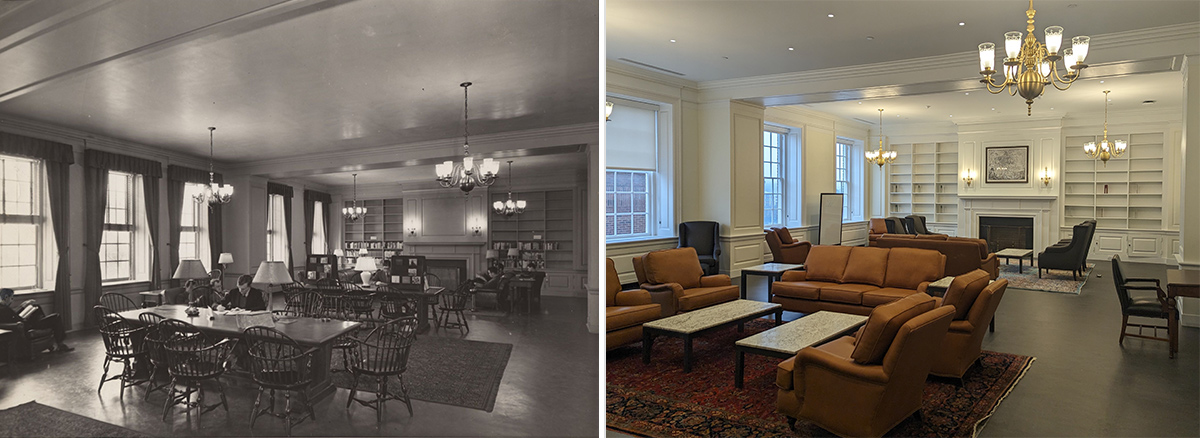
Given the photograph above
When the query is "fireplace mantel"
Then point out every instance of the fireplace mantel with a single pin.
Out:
(1041, 208)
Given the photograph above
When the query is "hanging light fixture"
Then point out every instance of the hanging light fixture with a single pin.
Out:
(608, 107)
(467, 175)
(880, 156)
(1030, 65)
(509, 208)
(1105, 149)
(213, 193)
(354, 211)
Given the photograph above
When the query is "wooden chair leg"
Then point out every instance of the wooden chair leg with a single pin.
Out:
(1124, 323)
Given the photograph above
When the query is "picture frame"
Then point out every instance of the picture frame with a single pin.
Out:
(1006, 164)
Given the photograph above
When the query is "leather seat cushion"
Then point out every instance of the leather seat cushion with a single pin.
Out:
(809, 290)
(700, 297)
(619, 317)
(679, 265)
(881, 296)
(866, 265)
(876, 336)
(964, 290)
(840, 347)
(849, 293)
(1146, 307)
(827, 263)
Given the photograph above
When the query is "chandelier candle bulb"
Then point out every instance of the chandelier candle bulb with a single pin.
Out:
(1012, 44)
(1079, 45)
(987, 57)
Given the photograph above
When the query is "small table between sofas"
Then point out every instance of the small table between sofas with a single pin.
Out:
(786, 340)
(688, 325)
(1180, 283)
(773, 272)
(1019, 254)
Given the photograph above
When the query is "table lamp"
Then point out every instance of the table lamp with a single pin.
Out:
(367, 266)
(271, 273)
(224, 260)
(190, 269)
(492, 254)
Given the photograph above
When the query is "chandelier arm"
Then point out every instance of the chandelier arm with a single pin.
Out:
(999, 88)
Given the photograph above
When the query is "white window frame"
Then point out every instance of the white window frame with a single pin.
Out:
(22, 251)
(195, 224)
(613, 193)
(662, 207)
(852, 208)
(277, 238)
(111, 226)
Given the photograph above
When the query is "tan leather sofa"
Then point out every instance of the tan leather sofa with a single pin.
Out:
(864, 385)
(625, 311)
(963, 254)
(785, 249)
(676, 281)
(975, 302)
(856, 279)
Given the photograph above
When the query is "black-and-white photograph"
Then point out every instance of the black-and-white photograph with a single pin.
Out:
(1007, 164)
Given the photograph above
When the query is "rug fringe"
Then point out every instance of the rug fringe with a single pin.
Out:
(978, 427)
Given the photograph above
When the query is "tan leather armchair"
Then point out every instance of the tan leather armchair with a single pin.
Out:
(864, 385)
(784, 249)
(975, 302)
(625, 311)
(676, 281)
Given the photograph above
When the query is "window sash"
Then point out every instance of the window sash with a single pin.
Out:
(774, 145)
(117, 244)
(842, 177)
(20, 223)
(628, 195)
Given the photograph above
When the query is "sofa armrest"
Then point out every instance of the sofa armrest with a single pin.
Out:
(810, 360)
(991, 264)
(923, 286)
(1056, 249)
(715, 280)
(635, 297)
(15, 327)
(666, 295)
(794, 276)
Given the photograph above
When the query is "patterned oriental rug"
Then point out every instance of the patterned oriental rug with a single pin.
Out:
(1053, 280)
(34, 419)
(660, 400)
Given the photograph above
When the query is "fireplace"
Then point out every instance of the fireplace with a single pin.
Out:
(1006, 232)
(450, 273)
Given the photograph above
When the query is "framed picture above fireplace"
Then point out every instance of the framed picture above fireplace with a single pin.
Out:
(1007, 164)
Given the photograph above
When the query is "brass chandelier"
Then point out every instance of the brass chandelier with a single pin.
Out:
(213, 193)
(1030, 65)
(467, 174)
(881, 157)
(1105, 149)
(354, 211)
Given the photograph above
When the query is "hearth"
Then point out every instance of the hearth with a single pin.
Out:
(1006, 232)
(450, 273)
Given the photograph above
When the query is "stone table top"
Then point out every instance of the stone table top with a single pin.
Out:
(810, 330)
(773, 267)
(710, 317)
(1014, 252)
(943, 283)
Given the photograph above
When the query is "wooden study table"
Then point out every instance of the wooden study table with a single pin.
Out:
(427, 298)
(308, 332)
(1180, 283)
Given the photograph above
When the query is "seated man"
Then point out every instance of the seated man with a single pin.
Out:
(244, 296)
(179, 295)
(35, 319)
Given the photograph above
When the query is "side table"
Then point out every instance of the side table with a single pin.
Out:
(773, 272)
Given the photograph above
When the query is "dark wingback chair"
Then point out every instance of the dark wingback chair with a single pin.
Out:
(916, 224)
(1071, 256)
(705, 237)
(1146, 306)
(896, 225)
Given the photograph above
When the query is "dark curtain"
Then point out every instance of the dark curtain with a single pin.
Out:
(215, 230)
(285, 191)
(310, 208)
(175, 189)
(122, 163)
(57, 158)
(151, 191)
(311, 198)
(177, 178)
(95, 196)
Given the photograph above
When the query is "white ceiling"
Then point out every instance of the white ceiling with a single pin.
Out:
(289, 78)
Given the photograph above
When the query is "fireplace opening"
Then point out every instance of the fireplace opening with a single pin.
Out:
(1006, 232)
(450, 273)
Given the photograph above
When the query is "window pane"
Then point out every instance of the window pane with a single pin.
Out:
(609, 178)
(624, 182)
(639, 203)
(639, 223)
(610, 203)
(639, 182)
(624, 201)
(609, 228)
(624, 224)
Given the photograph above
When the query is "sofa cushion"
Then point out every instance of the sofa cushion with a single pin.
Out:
(808, 290)
(866, 265)
(881, 296)
(701, 297)
(963, 290)
(849, 293)
(932, 236)
(876, 336)
(827, 263)
(840, 347)
(619, 317)
(908, 267)
(680, 265)
(785, 236)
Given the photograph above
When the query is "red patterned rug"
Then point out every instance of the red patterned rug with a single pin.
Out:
(660, 400)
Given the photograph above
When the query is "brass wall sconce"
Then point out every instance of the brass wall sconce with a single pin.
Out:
(968, 177)
(1045, 177)
(476, 229)
(412, 231)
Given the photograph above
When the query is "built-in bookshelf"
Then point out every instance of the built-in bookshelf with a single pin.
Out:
(1124, 193)
(544, 233)
(924, 181)
(380, 229)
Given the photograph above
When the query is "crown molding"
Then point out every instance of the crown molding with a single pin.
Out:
(612, 66)
(82, 139)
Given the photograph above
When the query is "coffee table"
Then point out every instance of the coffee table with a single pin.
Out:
(688, 325)
(1019, 254)
(786, 340)
(773, 272)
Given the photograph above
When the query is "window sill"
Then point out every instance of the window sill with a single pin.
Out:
(32, 292)
(123, 283)
(641, 240)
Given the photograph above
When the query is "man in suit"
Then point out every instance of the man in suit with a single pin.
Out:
(244, 296)
(36, 320)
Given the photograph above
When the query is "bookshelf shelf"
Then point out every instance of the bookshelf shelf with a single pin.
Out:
(1125, 193)
(929, 169)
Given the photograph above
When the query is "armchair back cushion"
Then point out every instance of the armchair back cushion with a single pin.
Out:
(907, 268)
(867, 265)
(827, 263)
(701, 235)
(877, 335)
(964, 290)
(680, 265)
(878, 226)
(785, 236)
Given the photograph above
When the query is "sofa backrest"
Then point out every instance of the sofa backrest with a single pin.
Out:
(962, 256)
(867, 265)
(873, 341)
(908, 267)
(827, 262)
(680, 265)
(612, 283)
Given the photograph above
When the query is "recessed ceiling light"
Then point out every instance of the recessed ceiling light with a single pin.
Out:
(791, 48)
(1101, 82)
(952, 115)
(897, 115)
(993, 109)
(870, 38)
(672, 40)
(968, 93)
(962, 23)
(860, 102)
(1072, 5)
(830, 15)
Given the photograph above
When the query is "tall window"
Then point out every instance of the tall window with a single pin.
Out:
(627, 203)
(773, 177)
(193, 230)
(20, 222)
(277, 239)
(842, 176)
(116, 246)
(319, 242)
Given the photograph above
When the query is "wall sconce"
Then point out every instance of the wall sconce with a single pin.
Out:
(412, 231)
(968, 176)
(1046, 177)
(476, 229)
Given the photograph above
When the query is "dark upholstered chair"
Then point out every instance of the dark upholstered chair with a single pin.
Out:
(916, 224)
(1073, 255)
(784, 249)
(705, 237)
(896, 225)
(1143, 305)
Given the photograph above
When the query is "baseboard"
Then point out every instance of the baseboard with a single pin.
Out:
(1190, 320)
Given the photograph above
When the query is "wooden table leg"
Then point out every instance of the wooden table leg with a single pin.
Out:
(778, 317)
(1172, 328)
(647, 345)
(739, 369)
(687, 354)
(743, 291)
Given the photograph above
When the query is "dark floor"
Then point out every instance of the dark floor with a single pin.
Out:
(549, 388)
(1083, 383)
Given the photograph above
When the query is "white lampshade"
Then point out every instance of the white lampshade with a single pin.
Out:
(1044, 69)
(270, 272)
(1053, 38)
(468, 162)
(987, 56)
(1079, 45)
(513, 252)
(491, 254)
(1069, 57)
(225, 258)
(365, 264)
(498, 205)
(608, 108)
(509, 204)
(520, 204)
(1119, 146)
(338, 252)
(190, 269)
(445, 169)
(1012, 44)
